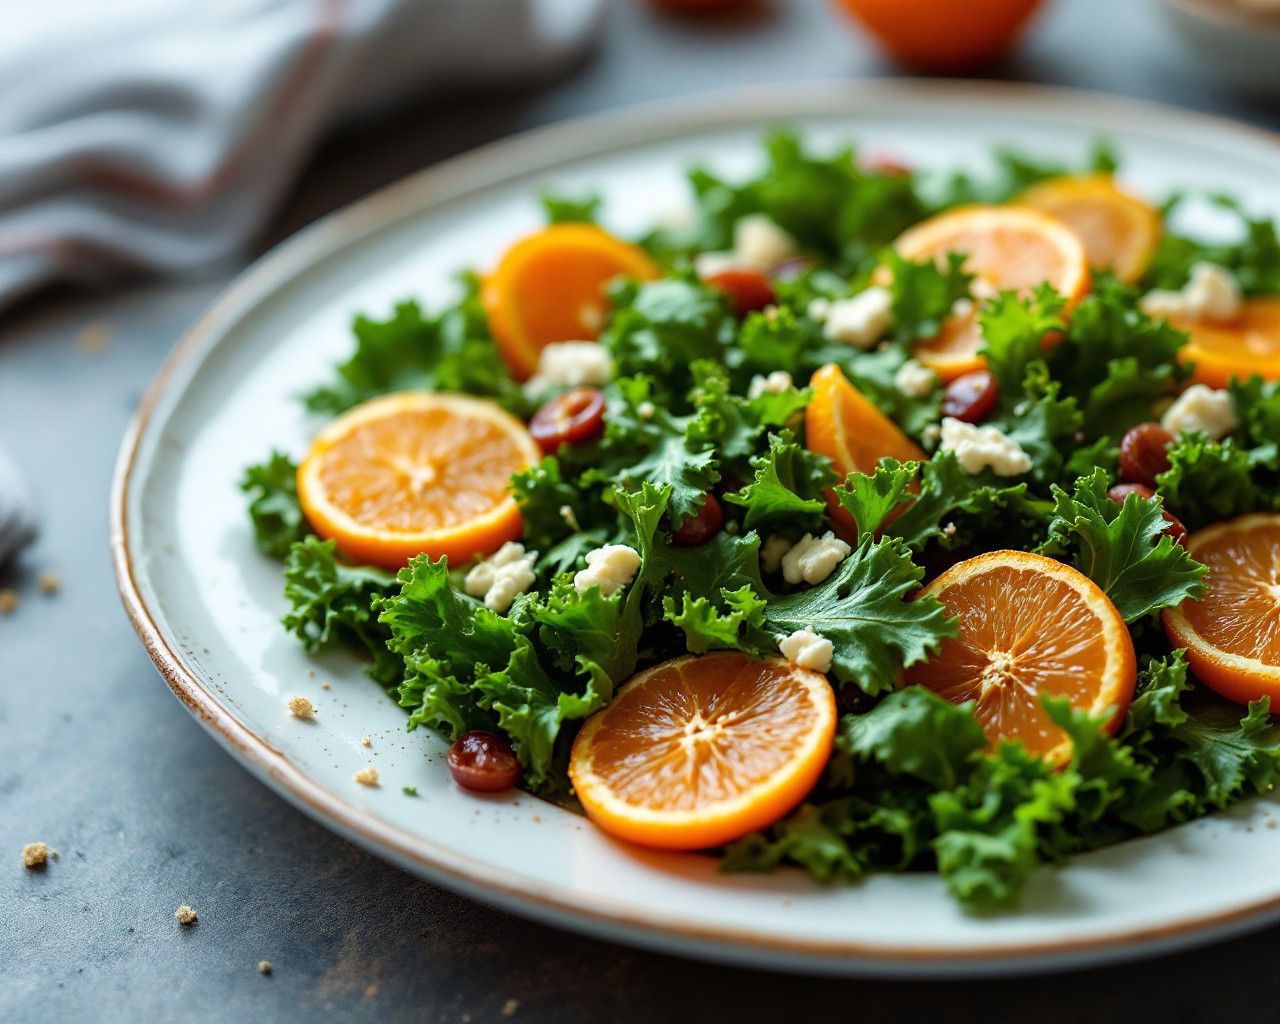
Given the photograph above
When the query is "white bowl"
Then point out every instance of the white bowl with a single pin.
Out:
(1243, 48)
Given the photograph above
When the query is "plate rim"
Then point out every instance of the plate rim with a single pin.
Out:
(571, 140)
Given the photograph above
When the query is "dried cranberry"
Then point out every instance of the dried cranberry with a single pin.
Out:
(748, 290)
(701, 526)
(1142, 453)
(1173, 527)
(571, 418)
(483, 761)
(972, 397)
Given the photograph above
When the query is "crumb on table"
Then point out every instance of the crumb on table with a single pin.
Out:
(8, 601)
(509, 1007)
(367, 776)
(264, 966)
(93, 339)
(185, 915)
(49, 581)
(301, 707)
(324, 685)
(35, 854)
(366, 742)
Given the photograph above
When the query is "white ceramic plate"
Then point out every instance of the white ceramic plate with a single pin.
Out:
(208, 606)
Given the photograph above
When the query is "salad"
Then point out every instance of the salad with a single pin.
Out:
(865, 519)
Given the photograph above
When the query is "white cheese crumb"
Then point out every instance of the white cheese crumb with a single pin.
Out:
(1211, 294)
(709, 264)
(1204, 409)
(366, 741)
(501, 576)
(774, 384)
(570, 364)
(301, 707)
(806, 649)
(977, 448)
(758, 242)
(861, 320)
(771, 553)
(645, 410)
(185, 915)
(611, 567)
(812, 559)
(915, 380)
(367, 776)
(930, 437)
(818, 309)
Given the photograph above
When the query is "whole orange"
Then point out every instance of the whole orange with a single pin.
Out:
(943, 35)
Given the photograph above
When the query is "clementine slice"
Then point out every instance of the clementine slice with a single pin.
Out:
(550, 287)
(1119, 231)
(842, 424)
(416, 472)
(1247, 345)
(1010, 248)
(1028, 626)
(1232, 635)
(699, 751)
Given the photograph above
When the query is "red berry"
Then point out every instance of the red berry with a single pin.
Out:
(1142, 453)
(748, 290)
(1173, 527)
(972, 397)
(701, 526)
(483, 761)
(571, 418)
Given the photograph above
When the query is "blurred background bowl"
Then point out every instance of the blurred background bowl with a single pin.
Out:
(1241, 46)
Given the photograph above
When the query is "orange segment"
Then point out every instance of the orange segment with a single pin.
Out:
(1029, 625)
(842, 424)
(699, 751)
(1119, 231)
(1245, 346)
(1232, 635)
(550, 287)
(415, 472)
(1010, 248)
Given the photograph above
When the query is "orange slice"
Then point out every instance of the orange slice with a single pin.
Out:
(1232, 635)
(415, 472)
(698, 751)
(1247, 345)
(1010, 248)
(1119, 231)
(842, 424)
(550, 287)
(1029, 625)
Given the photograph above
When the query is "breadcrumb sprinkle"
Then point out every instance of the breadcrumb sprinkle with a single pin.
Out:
(510, 1007)
(264, 967)
(366, 742)
(324, 686)
(49, 582)
(301, 707)
(367, 776)
(185, 915)
(35, 854)
(8, 601)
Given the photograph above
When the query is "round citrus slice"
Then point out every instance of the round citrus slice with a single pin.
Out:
(1232, 635)
(549, 287)
(1029, 626)
(699, 751)
(415, 472)
(1247, 345)
(842, 424)
(1009, 248)
(1119, 231)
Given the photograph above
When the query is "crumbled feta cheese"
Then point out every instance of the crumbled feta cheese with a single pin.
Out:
(812, 559)
(806, 649)
(709, 264)
(818, 309)
(1211, 294)
(774, 384)
(645, 410)
(915, 380)
(501, 576)
(570, 364)
(930, 437)
(771, 553)
(861, 320)
(1204, 409)
(758, 242)
(977, 448)
(611, 567)
(367, 776)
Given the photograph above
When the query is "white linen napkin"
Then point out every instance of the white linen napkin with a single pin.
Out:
(158, 135)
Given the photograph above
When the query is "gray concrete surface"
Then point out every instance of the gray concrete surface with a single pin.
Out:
(97, 758)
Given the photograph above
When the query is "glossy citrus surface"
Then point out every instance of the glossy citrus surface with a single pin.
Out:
(1028, 626)
(550, 287)
(699, 751)
(1009, 248)
(416, 472)
(1119, 231)
(1232, 635)
(1247, 345)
